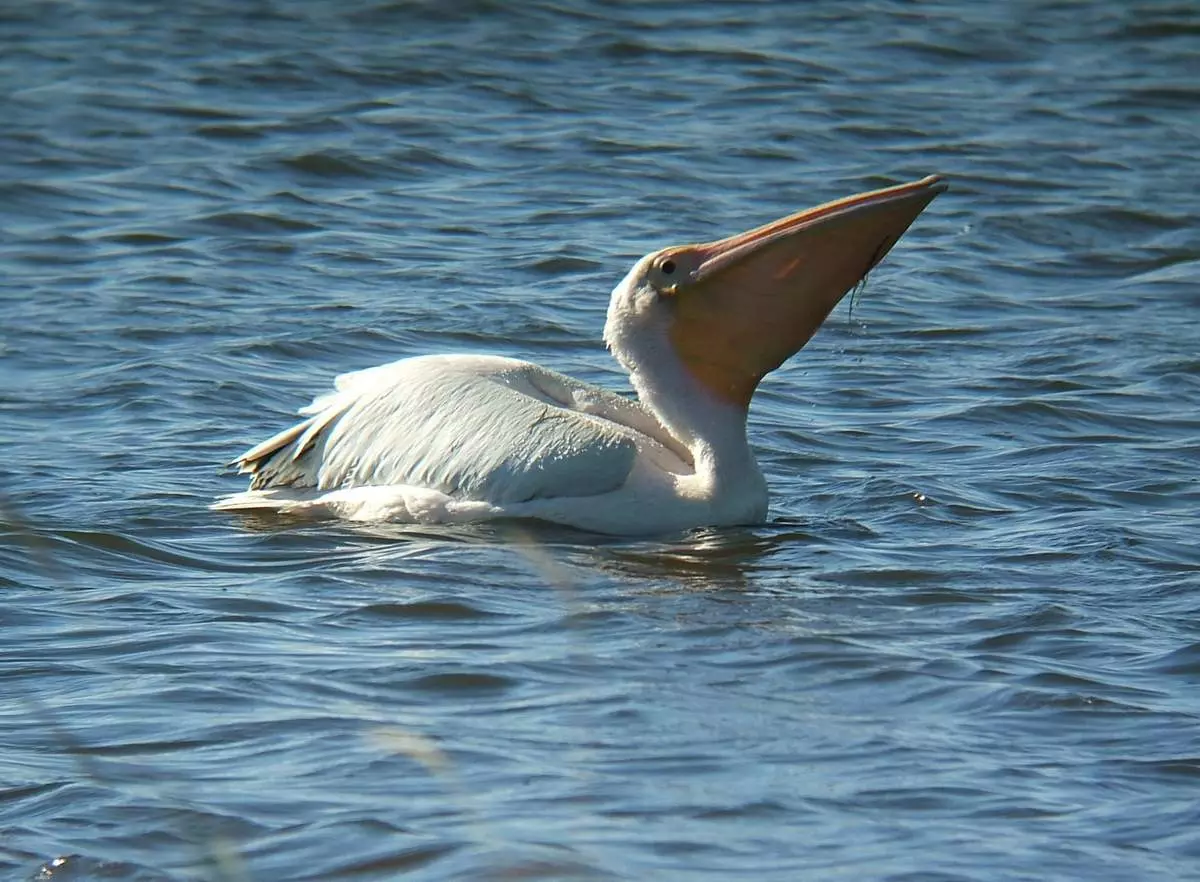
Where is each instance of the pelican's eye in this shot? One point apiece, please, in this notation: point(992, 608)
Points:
point(672, 271)
point(670, 275)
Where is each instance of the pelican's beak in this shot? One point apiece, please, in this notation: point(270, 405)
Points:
point(756, 298)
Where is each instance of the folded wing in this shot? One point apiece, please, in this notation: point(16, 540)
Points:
point(490, 429)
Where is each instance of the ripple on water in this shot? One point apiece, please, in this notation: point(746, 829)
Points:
point(973, 608)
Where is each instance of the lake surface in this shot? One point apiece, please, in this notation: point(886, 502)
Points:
point(966, 645)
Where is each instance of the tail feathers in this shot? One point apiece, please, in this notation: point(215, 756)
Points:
point(396, 503)
point(285, 501)
point(281, 460)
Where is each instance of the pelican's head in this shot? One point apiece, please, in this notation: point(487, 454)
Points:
point(733, 310)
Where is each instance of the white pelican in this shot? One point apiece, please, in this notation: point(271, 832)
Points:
point(459, 438)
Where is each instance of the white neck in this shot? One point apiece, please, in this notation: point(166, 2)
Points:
point(714, 431)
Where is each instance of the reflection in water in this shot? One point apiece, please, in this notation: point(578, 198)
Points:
point(725, 560)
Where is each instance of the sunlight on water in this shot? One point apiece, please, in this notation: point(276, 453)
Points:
point(964, 645)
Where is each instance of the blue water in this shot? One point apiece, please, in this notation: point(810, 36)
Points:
point(966, 646)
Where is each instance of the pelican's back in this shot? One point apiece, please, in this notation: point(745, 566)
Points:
point(472, 427)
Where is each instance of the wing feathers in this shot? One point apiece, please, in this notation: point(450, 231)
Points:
point(473, 427)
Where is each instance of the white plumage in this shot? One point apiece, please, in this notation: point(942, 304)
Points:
point(450, 438)
point(457, 438)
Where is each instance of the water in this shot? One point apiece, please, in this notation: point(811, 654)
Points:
point(965, 647)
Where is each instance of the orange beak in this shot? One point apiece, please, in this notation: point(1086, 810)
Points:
point(754, 299)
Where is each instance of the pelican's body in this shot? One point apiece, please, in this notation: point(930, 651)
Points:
point(459, 438)
point(455, 438)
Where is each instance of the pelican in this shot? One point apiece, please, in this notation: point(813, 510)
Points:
point(465, 438)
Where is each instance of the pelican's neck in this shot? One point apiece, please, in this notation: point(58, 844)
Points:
point(713, 430)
